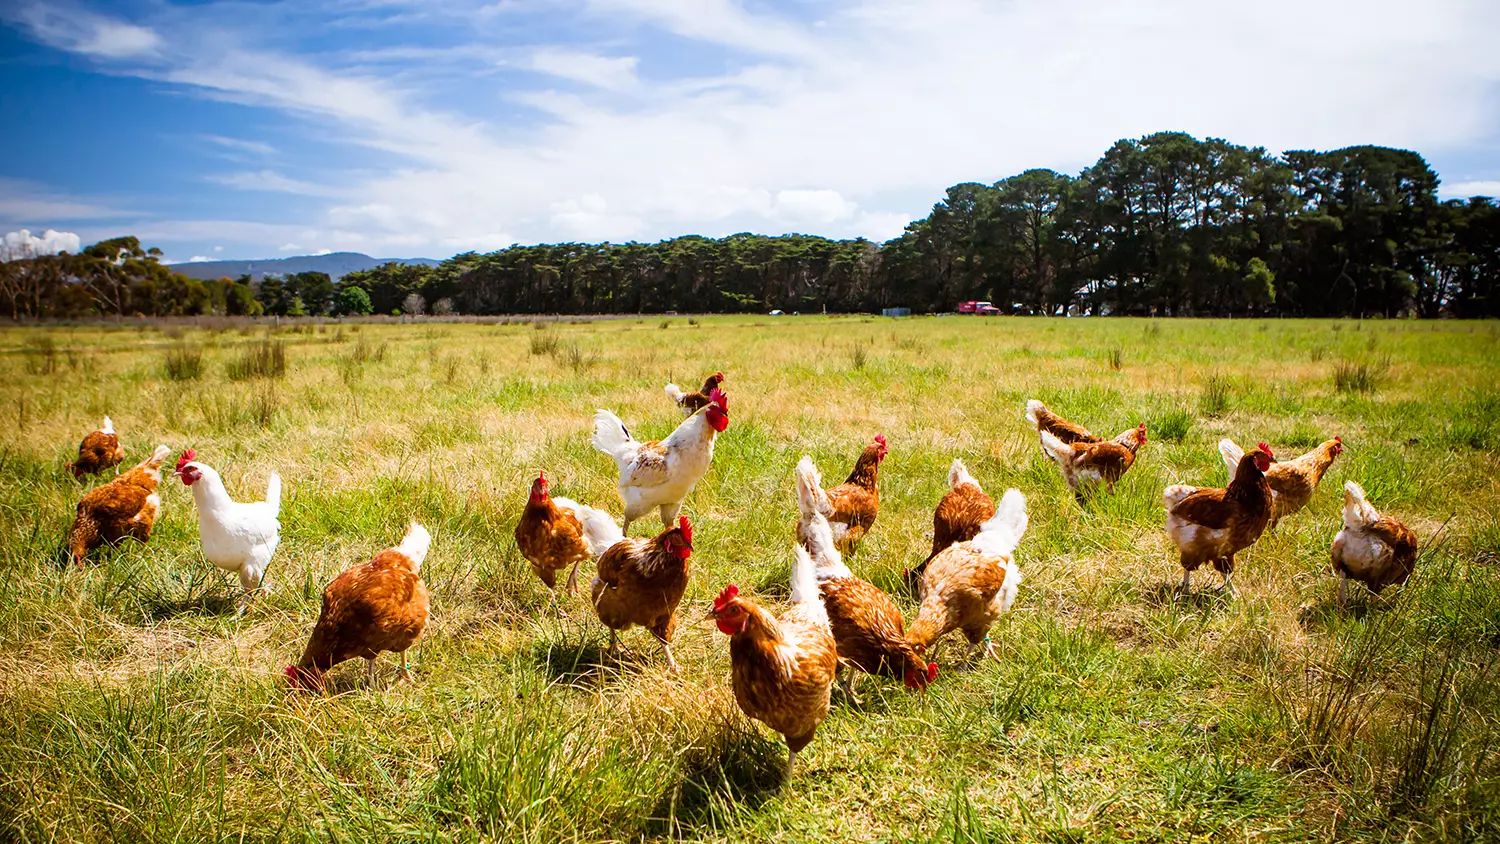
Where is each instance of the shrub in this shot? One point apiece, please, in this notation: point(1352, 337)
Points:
point(442, 307)
point(413, 304)
point(544, 343)
point(354, 300)
point(183, 362)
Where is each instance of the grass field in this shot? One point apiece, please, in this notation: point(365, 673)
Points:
point(135, 705)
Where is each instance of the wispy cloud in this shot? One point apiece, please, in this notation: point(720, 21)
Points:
point(242, 145)
point(80, 31)
point(28, 204)
point(715, 116)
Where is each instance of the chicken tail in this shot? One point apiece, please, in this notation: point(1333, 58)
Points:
point(1003, 532)
point(1059, 451)
point(1034, 411)
point(810, 495)
point(1174, 494)
point(1358, 512)
point(805, 593)
point(1010, 587)
point(600, 531)
point(273, 493)
point(611, 436)
point(828, 562)
point(958, 475)
point(415, 545)
point(108, 427)
point(1232, 454)
point(675, 393)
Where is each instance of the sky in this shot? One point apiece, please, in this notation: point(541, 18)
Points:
point(424, 128)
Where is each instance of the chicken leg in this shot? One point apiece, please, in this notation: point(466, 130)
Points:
point(572, 580)
point(369, 672)
point(1343, 590)
point(669, 514)
point(671, 662)
point(1187, 582)
point(405, 673)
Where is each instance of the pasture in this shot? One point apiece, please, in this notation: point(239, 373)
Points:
point(136, 705)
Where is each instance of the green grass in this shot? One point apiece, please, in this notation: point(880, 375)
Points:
point(135, 705)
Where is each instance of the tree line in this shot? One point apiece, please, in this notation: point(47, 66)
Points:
point(1166, 224)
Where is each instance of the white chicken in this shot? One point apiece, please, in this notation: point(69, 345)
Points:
point(660, 475)
point(239, 538)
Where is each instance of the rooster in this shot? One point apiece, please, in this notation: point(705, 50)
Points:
point(782, 668)
point(691, 402)
point(850, 507)
point(1089, 463)
point(969, 585)
point(377, 606)
point(1045, 420)
point(660, 475)
point(641, 581)
point(126, 506)
point(867, 625)
point(1212, 525)
point(1293, 482)
point(958, 518)
point(555, 533)
point(1376, 550)
point(99, 450)
point(238, 538)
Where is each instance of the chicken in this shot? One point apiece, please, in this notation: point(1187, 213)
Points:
point(867, 625)
point(958, 518)
point(850, 507)
point(126, 506)
point(691, 402)
point(1212, 525)
point(99, 451)
point(555, 533)
point(1293, 482)
point(1045, 420)
point(659, 475)
point(641, 581)
point(968, 585)
point(782, 668)
point(1089, 463)
point(377, 606)
point(1376, 550)
point(238, 538)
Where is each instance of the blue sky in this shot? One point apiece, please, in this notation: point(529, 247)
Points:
point(403, 128)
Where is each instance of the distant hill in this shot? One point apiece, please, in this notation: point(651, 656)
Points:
point(336, 264)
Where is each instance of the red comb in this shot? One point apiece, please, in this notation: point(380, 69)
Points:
point(187, 457)
point(880, 438)
point(1265, 448)
point(686, 527)
point(717, 396)
point(931, 671)
point(541, 474)
point(729, 594)
point(1339, 440)
point(719, 375)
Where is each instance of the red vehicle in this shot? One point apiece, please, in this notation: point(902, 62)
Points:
point(977, 307)
point(968, 307)
point(986, 309)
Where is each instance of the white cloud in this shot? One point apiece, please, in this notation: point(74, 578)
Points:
point(197, 259)
point(324, 252)
point(80, 31)
point(606, 72)
point(288, 247)
point(242, 145)
point(270, 180)
point(23, 244)
point(25, 203)
point(848, 125)
point(218, 249)
point(1464, 190)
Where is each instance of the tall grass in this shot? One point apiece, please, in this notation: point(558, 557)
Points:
point(183, 362)
point(1214, 397)
point(266, 359)
point(41, 354)
point(1359, 376)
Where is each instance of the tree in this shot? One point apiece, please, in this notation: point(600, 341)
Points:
point(354, 301)
point(413, 304)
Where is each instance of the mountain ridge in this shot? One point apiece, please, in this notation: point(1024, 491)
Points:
point(336, 264)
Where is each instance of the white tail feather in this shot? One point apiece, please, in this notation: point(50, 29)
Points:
point(273, 493)
point(805, 594)
point(958, 475)
point(1175, 493)
point(1033, 409)
point(675, 393)
point(1010, 587)
point(825, 555)
point(810, 495)
point(1003, 532)
point(1232, 455)
point(600, 530)
point(1056, 449)
point(108, 427)
point(1358, 511)
point(612, 438)
point(415, 545)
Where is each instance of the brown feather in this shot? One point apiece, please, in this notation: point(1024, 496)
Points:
point(868, 628)
point(381, 605)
